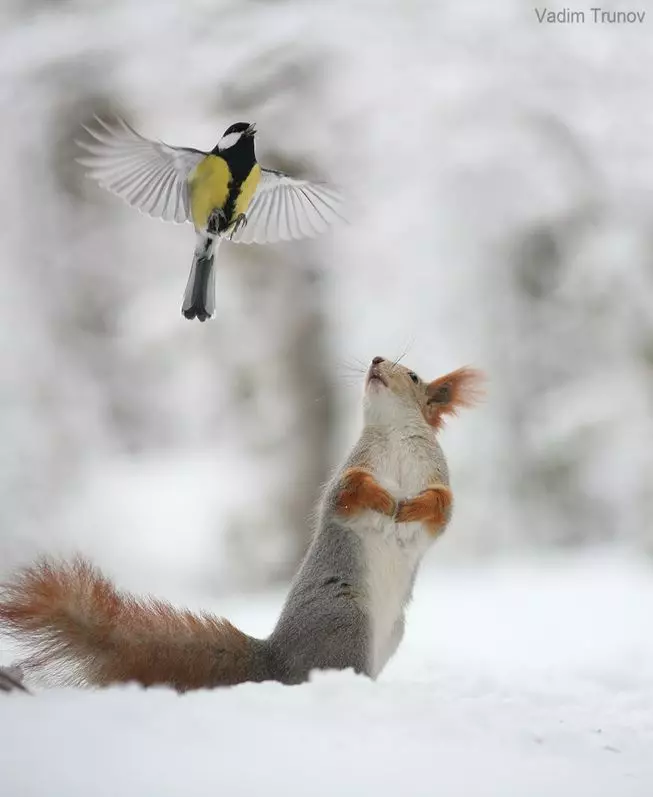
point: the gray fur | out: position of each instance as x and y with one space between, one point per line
323 624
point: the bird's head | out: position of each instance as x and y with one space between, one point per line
234 134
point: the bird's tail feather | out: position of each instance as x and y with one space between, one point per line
199 297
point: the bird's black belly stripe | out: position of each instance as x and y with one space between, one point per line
230 205
241 160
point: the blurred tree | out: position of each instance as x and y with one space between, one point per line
282 369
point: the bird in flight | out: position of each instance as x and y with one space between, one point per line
224 193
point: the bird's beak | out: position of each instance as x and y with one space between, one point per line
251 130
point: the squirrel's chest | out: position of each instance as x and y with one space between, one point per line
390 565
393 552
403 468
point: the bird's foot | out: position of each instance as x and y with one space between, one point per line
217 218
240 221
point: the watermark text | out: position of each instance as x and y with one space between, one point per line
590 16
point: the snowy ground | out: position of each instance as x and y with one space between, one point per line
512 681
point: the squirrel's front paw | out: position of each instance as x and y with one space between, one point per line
359 490
431 507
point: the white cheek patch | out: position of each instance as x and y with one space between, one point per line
229 140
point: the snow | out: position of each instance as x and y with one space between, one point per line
514 679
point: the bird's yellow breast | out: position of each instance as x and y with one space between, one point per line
209 188
247 190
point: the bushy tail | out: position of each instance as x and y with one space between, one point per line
199 297
70 618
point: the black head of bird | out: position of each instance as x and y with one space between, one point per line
238 133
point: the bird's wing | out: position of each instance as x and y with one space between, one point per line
284 209
150 175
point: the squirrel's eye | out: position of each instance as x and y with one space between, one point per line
413 376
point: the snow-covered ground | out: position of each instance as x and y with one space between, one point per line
512 680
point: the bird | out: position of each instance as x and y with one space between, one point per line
224 193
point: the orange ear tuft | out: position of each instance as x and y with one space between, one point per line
461 388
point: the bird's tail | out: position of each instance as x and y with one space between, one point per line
70 618
199 297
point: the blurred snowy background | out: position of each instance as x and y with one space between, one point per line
500 172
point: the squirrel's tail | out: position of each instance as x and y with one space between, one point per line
71 618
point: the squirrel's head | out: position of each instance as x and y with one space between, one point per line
396 396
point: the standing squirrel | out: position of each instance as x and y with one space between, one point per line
380 514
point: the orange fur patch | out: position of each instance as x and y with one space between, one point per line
446 395
431 507
359 491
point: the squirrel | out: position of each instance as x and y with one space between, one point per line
381 512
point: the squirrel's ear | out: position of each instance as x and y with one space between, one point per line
461 388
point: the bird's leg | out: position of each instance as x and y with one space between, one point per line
207 246
239 221
216 217
11 679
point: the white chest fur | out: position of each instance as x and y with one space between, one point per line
404 465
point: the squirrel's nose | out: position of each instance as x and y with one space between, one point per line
377 360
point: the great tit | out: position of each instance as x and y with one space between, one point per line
224 193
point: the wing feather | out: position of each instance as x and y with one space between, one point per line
285 208
149 175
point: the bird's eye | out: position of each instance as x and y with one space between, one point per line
413 376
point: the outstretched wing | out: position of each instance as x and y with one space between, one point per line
149 175
285 209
